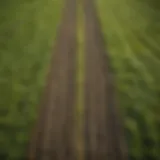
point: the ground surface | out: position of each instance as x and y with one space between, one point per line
55 131
53 135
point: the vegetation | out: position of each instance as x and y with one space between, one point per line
132 34
27 33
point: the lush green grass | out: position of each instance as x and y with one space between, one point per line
132 34
27 35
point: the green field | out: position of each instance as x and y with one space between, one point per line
27 35
132 35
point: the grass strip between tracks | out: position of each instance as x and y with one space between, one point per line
80 86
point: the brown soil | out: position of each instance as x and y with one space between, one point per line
103 130
53 134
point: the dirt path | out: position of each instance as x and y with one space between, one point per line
53 137
54 133
103 131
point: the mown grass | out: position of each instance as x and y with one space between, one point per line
27 35
131 30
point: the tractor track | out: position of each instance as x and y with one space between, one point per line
53 137
103 131
53 134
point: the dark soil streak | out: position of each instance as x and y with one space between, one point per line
53 136
103 132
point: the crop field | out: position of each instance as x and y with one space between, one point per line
132 34
27 35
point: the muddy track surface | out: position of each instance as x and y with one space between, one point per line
104 139
53 135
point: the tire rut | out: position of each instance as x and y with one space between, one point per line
103 130
104 138
53 135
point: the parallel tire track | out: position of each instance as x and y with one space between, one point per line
104 139
53 136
